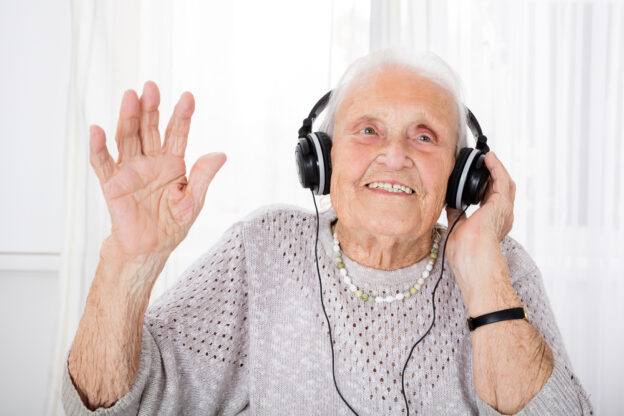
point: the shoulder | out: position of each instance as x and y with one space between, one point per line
274 211
264 218
275 218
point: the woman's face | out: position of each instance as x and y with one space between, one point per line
393 126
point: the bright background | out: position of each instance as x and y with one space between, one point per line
545 78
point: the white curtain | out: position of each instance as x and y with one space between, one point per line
255 69
544 78
546 81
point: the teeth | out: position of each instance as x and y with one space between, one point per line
390 187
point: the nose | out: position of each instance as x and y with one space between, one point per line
394 154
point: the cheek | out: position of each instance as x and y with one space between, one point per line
349 164
434 176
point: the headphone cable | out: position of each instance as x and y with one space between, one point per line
331 342
433 303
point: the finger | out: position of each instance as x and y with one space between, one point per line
501 179
102 162
127 136
150 136
488 191
179 125
202 173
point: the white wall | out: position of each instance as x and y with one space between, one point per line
28 319
35 44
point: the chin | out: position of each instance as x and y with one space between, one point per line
390 224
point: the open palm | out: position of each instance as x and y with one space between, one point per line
151 202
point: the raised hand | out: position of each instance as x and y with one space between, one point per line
151 202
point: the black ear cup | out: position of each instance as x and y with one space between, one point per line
313 156
468 181
453 182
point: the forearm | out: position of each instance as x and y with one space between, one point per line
105 355
511 361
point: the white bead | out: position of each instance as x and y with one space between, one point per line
343 272
352 288
417 286
435 245
399 296
379 299
429 267
421 281
431 261
335 236
389 298
425 274
347 280
336 249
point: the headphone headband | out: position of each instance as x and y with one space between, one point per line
475 128
306 127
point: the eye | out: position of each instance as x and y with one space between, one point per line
426 138
368 130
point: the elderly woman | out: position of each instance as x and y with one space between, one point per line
245 329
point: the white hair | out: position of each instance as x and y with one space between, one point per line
427 65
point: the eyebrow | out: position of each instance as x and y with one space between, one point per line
363 118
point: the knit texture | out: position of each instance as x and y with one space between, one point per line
243 332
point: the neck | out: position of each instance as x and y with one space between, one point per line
382 252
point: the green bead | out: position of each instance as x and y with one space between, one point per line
364 296
434 250
371 298
338 255
358 293
340 265
434 255
407 294
413 290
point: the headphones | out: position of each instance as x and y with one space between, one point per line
466 185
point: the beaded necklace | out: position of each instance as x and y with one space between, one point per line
433 255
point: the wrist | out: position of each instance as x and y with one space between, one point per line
136 272
469 254
114 253
496 297
123 285
484 280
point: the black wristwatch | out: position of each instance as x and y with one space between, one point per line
506 314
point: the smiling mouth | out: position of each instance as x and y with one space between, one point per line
392 188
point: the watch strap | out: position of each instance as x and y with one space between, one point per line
504 315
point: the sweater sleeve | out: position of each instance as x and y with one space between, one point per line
562 394
194 345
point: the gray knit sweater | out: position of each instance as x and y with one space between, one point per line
243 332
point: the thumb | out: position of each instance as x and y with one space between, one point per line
202 173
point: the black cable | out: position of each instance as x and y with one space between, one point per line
331 342
433 303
